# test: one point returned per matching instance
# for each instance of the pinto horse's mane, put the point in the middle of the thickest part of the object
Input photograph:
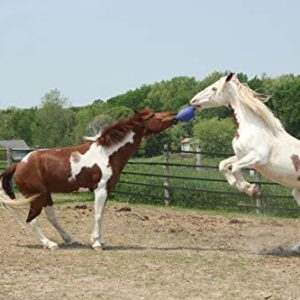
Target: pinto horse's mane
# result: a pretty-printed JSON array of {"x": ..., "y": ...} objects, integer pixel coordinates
[
  {"x": 116, "y": 132},
  {"x": 255, "y": 102}
]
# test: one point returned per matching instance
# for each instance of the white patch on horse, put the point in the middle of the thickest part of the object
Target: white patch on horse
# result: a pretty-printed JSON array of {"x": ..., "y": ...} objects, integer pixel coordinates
[
  {"x": 99, "y": 155},
  {"x": 92, "y": 138},
  {"x": 83, "y": 190},
  {"x": 26, "y": 158}
]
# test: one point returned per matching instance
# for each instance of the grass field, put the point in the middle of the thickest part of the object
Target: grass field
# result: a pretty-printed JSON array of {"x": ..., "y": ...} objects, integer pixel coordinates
[{"x": 214, "y": 195}]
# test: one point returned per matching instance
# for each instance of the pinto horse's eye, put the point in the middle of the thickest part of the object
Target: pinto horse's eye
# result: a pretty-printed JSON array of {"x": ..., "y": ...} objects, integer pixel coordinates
[{"x": 214, "y": 89}]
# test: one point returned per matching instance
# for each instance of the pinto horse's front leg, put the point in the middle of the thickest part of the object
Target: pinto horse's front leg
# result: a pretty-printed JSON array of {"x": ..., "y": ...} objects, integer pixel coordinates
[{"x": 100, "y": 200}]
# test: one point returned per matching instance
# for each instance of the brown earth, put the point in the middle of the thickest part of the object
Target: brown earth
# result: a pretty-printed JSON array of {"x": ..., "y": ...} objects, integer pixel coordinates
[{"x": 152, "y": 253}]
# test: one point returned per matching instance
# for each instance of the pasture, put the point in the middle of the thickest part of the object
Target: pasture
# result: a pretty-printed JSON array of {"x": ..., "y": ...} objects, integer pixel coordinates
[{"x": 152, "y": 253}]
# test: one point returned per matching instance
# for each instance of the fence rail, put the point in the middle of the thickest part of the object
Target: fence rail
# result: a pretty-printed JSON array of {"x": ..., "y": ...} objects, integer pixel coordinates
[{"x": 178, "y": 182}]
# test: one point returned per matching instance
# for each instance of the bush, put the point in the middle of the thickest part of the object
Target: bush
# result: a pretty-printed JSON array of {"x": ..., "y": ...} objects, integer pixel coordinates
[{"x": 215, "y": 135}]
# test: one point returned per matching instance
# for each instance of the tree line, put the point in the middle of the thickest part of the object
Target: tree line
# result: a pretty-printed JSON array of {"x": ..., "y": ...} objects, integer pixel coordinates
[{"x": 56, "y": 123}]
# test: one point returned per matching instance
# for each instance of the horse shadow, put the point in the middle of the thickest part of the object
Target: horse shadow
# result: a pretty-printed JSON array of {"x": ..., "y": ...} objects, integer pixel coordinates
[{"x": 277, "y": 251}]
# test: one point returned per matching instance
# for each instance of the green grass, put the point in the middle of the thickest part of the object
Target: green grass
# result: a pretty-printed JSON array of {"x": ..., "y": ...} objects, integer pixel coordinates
[{"x": 183, "y": 196}]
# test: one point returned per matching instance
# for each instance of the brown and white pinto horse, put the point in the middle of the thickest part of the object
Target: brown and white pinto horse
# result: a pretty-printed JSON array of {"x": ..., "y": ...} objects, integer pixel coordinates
[{"x": 95, "y": 165}]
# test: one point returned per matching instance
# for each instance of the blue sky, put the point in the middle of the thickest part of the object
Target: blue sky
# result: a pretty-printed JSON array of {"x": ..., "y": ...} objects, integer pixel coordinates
[{"x": 97, "y": 49}]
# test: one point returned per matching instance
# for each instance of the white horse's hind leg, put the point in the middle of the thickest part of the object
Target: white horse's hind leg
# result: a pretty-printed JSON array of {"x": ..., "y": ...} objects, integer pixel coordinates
[
  {"x": 100, "y": 199},
  {"x": 296, "y": 195},
  {"x": 51, "y": 216},
  {"x": 45, "y": 241}
]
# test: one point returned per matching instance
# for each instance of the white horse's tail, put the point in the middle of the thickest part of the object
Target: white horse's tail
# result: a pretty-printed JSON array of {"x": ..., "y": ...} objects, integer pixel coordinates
[{"x": 7, "y": 194}]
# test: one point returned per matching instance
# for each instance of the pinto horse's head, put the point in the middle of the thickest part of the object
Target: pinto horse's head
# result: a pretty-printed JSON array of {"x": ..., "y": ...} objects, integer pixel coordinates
[
  {"x": 155, "y": 122},
  {"x": 216, "y": 95}
]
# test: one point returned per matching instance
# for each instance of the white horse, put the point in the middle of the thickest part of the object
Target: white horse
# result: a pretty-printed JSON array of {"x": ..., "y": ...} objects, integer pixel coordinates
[{"x": 260, "y": 143}]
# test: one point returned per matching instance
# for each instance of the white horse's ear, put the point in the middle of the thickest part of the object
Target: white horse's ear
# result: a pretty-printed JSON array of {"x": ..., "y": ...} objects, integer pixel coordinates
[{"x": 229, "y": 77}]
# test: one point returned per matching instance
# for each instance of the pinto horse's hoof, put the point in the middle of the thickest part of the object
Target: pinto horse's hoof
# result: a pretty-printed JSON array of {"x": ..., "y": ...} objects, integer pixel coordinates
[
  {"x": 51, "y": 246},
  {"x": 98, "y": 248},
  {"x": 296, "y": 249}
]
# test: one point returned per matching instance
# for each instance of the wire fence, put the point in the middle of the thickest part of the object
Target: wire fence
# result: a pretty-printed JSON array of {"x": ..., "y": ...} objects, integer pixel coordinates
[{"x": 189, "y": 179}]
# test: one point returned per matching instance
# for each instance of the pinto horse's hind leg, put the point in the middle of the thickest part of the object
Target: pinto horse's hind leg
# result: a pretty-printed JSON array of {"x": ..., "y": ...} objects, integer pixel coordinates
[
  {"x": 44, "y": 240},
  {"x": 51, "y": 217},
  {"x": 35, "y": 210}
]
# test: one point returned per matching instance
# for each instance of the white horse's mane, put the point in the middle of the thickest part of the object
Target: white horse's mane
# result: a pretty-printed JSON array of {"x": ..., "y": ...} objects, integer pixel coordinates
[{"x": 255, "y": 102}]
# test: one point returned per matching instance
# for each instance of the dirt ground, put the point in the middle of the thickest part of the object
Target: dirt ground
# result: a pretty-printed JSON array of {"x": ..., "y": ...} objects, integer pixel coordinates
[{"x": 152, "y": 253}]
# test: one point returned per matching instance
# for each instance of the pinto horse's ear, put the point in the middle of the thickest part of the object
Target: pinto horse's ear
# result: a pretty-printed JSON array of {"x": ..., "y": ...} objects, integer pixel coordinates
[{"x": 229, "y": 77}]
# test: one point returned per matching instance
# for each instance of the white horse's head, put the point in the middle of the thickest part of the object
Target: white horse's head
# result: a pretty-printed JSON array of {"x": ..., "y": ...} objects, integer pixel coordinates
[{"x": 215, "y": 95}]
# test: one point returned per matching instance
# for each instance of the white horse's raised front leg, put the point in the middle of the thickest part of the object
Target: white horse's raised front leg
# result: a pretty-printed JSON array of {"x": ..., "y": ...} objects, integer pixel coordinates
[
  {"x": 51, "y": 216},
  {"x": 248, "y": 161},
  {"x": 100, "y": 199},
  {"x": 235, "y": 177},
  {"x": 224, "y": 167}
]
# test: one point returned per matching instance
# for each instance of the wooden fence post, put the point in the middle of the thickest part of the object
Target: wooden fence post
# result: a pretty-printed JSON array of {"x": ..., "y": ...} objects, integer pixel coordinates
[
  {"x": 166, "y": 173},
  {"x": 198, "y": 159},
  {"x": 258, "y": 197},
  {"x": 9, "y": 156}
]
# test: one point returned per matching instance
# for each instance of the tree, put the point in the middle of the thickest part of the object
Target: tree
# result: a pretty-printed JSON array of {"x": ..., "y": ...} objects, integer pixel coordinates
[
  {"x": 99, "y": 123},
  {"x": 54, "y": 121},
  {"x": 285, "y": 91},
  {"x": 215, "y": 135}
]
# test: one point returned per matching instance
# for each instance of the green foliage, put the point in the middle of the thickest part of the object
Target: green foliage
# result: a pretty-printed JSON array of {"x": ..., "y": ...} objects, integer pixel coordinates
[
  {"x": 54, "y": 122},
  {"x": 171, "y": 94},
  {"x": 215, "y": 135},
  {"x": 286, "y": 102},
  {"x": 178, "y": 132},
  {"x": 131, "y": 99}
]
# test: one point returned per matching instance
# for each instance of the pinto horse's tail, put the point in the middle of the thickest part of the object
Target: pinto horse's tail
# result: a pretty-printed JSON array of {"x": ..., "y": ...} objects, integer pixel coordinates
[{"x": 7, "y": 194}]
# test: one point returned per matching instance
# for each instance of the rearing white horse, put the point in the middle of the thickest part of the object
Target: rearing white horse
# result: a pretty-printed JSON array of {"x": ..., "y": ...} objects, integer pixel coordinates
[{"x": 260, "y": 143}]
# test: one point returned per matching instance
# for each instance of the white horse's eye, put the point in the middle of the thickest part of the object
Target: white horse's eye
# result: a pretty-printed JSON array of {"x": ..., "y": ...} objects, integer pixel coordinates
[{"x": 214, "y": 89}]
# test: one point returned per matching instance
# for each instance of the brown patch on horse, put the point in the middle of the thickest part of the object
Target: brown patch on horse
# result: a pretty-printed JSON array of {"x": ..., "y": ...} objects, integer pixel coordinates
[
  {"x": 236, "y": 122},
  {"x": 117, "y": 132},
  {"x": 296, "y": 161},
  {"x": 298, "y": 178}
]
